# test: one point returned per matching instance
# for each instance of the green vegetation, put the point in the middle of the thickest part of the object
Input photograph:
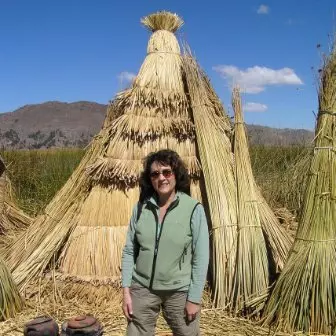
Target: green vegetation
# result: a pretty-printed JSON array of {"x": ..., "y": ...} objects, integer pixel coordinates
[
  {"x": 37, "y": 175},
  {"x": 280, "y": 172}
]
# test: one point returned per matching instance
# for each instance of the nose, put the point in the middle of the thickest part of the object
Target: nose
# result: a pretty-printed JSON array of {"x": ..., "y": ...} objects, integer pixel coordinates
[{"x": 161, "y": 177}]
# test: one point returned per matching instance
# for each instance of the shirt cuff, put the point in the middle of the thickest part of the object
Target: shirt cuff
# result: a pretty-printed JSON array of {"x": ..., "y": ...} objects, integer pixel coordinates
[{"x": 194, "y": 296}]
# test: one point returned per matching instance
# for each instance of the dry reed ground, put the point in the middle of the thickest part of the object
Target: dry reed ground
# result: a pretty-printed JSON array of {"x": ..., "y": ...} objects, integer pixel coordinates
[{"x": 52, "y": 297}]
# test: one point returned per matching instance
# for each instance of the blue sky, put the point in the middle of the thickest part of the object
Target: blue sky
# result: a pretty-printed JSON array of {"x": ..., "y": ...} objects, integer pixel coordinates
[{"x": 70, "y": 50}]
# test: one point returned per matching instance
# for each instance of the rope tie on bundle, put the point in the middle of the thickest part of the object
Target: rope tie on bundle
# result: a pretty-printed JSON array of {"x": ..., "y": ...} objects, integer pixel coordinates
[
  {"x": 332, "y": 113},
  {"x": 222, "y": 227},
  {"x": 232, "y": 225},
  {"x": 153, "y": 89},
  {"x": 325, "y": 193},
  {"x": 330, "y": 148},
  {"x": 316, "y": 240},
  {"x": 164, "y": 52},
  {"x": 251, "y": 201}
]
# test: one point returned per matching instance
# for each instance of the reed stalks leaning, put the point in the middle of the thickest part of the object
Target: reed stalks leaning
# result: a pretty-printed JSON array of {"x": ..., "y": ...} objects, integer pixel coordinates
[
  {"x": 304, "y": 296},
  {"x": 214, "y": 149},
  {"x": 12, "y": 218},
  {"x": 10, "y": 299}
]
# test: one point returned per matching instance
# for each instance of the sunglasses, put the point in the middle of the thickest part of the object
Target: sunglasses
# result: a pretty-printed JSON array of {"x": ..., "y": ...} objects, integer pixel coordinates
[{"x": 165, "y": 172}]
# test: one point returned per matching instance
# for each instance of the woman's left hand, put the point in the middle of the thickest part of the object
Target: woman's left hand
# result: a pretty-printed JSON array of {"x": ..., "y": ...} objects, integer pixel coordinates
[{"x": 191, "y": 310}]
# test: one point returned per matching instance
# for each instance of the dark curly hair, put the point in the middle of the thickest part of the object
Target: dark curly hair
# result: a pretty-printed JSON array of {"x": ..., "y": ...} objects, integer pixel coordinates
[{"x": 165, "y": 157}]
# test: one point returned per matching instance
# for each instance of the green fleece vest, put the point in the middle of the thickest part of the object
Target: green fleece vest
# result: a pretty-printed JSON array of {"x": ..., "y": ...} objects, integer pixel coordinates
[{"x": 164, "y": 258}]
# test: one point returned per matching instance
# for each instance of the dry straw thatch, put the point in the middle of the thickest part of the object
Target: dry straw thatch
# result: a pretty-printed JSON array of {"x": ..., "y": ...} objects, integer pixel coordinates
[
  {"x": 252, "y": 271},
  {"x": 82, "y": 230},
  {"x": 217, "y": 164},
  {"x": 55, "y": 301},
  {"x": 10, "y": 299},
  {"x": 262, "y": 243},
  {"x": 304, "y": 295},
  {"x": 278, "y": 239},
  {"x": 11, "y": 217}
]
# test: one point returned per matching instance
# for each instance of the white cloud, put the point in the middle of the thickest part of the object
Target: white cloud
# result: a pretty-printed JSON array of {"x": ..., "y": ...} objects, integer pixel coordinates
[
  {"x": 126, "y": 76},
  {"x": 255, "y": 107},
  {"x": 255, "y": 79},
  {"x": 263, "y": 9}
]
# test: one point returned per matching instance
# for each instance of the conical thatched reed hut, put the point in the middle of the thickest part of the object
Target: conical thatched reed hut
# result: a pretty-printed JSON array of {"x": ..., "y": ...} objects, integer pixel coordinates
[
  {"x": 304, "y": 296},
  {"x": 82, "y": 230},
  {"x": 11, "y": 217}
]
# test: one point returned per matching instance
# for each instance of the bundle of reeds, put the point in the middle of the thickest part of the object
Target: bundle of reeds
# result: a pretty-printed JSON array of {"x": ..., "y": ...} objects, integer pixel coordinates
[
  {"x": 263, "y": 244},
  {"x": 252, "y": 271},
  {"x": 10, "y": 299},
  {"x": 11, "y": 217},
  {"x": 278, "y": 240},
  {"x": 217, "y": 165},
  {"x": 304, "y": 295},
  {"x": 83, "y": 229},
  {"x": 269, "y": 242}
]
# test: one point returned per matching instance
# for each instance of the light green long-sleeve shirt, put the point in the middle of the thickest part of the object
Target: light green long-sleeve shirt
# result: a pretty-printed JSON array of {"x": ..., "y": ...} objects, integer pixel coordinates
[{"x": 200, "y": 260}]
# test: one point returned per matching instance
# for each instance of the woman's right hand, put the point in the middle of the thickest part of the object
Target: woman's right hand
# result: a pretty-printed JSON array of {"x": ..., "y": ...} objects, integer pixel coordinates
[{"x": 127, "y": 303}]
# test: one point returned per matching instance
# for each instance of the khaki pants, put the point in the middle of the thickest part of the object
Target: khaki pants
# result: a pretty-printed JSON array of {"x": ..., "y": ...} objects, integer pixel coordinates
[{"x": 146, "y": 309}]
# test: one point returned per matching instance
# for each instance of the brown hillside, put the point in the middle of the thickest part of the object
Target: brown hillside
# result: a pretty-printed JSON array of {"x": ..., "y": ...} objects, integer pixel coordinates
[
  {"x": 51, "y": 124},
  {"x": 57, "y": 124}
]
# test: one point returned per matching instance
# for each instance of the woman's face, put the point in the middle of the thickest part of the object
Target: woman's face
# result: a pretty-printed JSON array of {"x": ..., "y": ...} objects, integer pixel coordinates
[{"x": 162, "y": 178}]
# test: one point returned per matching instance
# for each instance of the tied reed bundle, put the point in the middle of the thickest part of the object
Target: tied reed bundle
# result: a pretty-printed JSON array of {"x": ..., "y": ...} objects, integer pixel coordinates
[
  {"x": 217, "y": 165},
  {"x": 162, "y": 20},
  {"x": 304, "y": 295},
  {"x": 252, "y": 271},
  {"x": 10, "y": 300},
  {"x": 83, "y": 229},
  {"x": 278, "y": 240},
  {"x": 11, "y": 217}
]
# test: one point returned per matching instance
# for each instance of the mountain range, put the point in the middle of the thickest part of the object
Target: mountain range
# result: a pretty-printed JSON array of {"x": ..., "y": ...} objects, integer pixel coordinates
[{"x": 59, "y": 124}]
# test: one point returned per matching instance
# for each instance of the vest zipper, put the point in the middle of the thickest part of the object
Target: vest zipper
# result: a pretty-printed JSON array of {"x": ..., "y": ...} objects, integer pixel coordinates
[{"x": 157, "y": 240}]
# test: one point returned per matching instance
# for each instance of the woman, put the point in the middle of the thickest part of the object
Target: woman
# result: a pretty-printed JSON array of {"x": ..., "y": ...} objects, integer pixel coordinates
[{"x": 166, "y": 255}]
